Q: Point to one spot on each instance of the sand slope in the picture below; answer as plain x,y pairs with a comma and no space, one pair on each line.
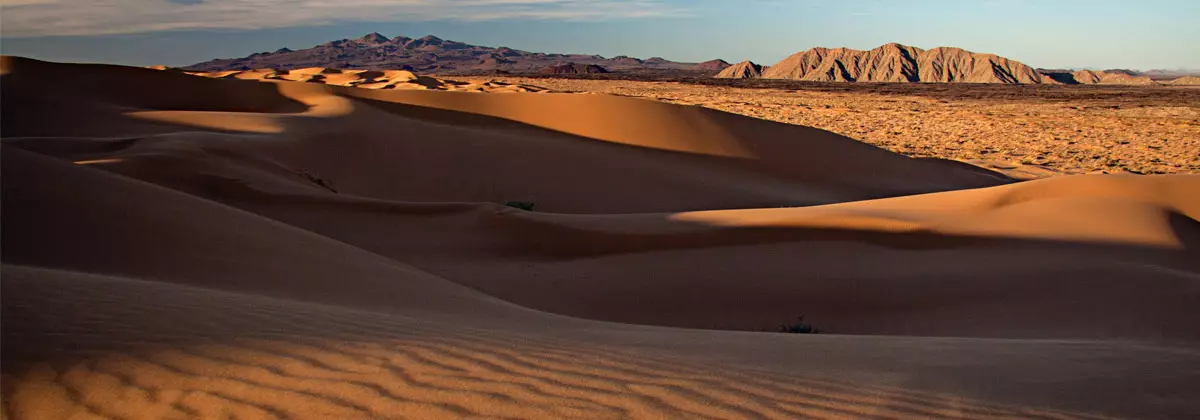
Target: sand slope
301,250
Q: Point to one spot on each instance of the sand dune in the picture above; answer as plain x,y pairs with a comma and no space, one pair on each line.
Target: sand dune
185,247
369,79
1022,131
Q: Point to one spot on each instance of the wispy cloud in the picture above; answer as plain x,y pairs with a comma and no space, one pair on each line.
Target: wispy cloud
24,18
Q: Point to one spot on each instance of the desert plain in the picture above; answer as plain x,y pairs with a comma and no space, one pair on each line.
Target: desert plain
1028,131
181,246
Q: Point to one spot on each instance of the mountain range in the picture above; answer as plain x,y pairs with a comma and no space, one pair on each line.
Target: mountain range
430,54
901,63
888,63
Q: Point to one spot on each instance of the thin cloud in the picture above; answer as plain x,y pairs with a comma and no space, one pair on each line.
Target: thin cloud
28,18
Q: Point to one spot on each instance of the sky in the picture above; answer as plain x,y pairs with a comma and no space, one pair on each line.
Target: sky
1143,34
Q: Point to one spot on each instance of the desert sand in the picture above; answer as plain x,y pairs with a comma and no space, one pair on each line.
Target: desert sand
1024,132
178,246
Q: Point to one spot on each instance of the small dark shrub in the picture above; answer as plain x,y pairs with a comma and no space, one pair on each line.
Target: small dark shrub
318,180
799,327
523,205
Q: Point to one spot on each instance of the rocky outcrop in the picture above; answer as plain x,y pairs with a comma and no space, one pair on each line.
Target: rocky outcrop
574,68
900,63
1185,80
743,70
1095,77
1111,77
713,65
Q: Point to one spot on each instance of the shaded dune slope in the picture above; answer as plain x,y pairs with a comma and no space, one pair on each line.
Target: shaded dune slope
329,251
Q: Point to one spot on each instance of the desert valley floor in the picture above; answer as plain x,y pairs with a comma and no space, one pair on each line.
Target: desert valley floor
177,246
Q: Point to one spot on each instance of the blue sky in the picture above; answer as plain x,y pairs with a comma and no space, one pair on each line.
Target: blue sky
1142,34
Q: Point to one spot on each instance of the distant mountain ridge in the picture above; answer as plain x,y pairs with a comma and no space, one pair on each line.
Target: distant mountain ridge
891,62
905,64
714,65
901,63
1095,77
430,54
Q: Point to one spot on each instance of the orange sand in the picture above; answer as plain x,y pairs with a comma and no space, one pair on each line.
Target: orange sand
185,247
